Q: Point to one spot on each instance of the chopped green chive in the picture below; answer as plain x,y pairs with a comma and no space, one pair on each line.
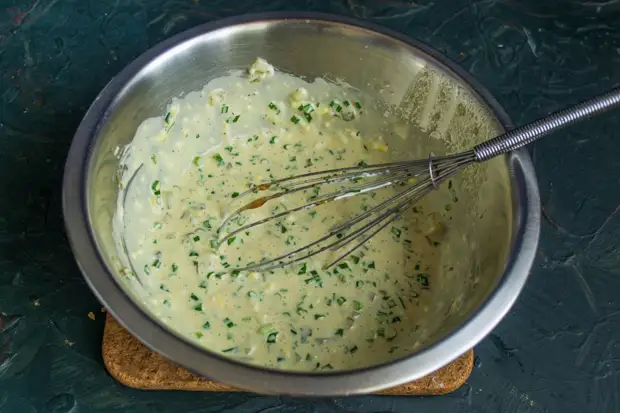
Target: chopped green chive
193,253
339,332
154,159
228,323
234,194
295,119
271,338
273,139
231,240
224,109
218,158
198,307
272,106
156,188
194,297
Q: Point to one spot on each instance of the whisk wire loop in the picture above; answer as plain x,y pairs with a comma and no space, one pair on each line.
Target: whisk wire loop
427,174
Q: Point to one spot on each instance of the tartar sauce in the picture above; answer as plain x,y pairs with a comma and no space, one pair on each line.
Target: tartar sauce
182,171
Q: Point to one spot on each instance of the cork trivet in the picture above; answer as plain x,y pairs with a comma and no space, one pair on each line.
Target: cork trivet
134,365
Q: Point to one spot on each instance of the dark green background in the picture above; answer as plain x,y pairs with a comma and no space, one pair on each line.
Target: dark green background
557,351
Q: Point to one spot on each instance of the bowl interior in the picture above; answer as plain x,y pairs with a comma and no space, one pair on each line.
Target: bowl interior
438,108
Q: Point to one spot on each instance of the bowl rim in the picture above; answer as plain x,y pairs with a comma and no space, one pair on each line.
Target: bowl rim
154,335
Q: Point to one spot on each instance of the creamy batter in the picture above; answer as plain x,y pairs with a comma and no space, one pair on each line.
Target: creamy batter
183,170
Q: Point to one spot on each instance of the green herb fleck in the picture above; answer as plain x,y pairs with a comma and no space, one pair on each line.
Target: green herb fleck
156,188
218,158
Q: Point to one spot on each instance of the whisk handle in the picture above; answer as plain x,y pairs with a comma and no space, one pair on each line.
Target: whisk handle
523,135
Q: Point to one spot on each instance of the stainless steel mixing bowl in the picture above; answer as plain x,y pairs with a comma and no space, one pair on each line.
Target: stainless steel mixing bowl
411,80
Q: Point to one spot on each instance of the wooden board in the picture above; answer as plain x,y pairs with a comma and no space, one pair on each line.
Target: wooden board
134,365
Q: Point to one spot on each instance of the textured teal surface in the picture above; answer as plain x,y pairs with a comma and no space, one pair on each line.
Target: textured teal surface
557,351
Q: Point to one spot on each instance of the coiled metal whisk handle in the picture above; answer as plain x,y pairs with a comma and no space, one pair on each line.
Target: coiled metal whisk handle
523,135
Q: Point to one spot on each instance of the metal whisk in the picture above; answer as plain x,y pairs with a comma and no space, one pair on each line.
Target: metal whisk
418,177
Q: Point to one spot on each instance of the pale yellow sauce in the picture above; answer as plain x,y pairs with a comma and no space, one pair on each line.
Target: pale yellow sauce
183,170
